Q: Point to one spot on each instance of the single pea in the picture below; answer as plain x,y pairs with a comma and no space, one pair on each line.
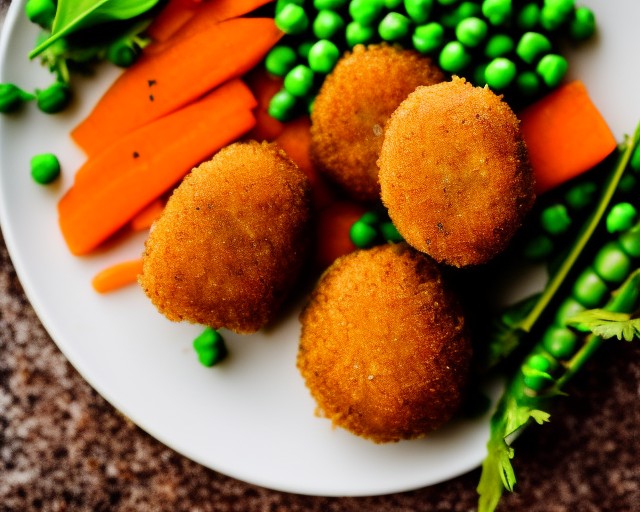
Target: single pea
292,19
392,4
555,219
479,77
365,11
467,10
532,45
581,195
394,27
281,4
471,31
621,217
552,17
529,16
552,69
122,52
41,12
496,11
428,38
304,48
12,97
447,2
280,60
54,98
630,242
611,263
634,162
323,56
560,342
327,24
311,101
538,362
418,10
583,24
568,309
528,83
627,183
589,289
531,368
538,248
282,105
454,57
564,6
210,347
357,33
45,168
299,80
362,234
371,218
500,73
390,232
329,4
498,45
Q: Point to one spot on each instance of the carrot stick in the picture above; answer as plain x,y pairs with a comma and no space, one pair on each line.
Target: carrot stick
295,139
117,276
146,217
565,135
333,229
160,83
264,86
171,18
119,182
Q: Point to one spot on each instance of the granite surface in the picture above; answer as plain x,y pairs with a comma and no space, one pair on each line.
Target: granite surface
64,448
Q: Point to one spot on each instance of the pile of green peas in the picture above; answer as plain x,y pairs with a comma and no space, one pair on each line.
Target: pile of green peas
513,47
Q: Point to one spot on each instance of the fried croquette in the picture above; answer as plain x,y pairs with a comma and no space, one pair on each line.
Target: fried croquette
352,107
384,350
233,237
455,174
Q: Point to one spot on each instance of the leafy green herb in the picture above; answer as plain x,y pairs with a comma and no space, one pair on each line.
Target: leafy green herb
74,15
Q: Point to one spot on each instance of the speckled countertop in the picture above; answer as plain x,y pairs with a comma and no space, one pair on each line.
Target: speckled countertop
62,447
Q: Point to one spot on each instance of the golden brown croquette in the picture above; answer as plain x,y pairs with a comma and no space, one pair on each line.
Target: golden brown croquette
383,348
352,107
231,241
454,172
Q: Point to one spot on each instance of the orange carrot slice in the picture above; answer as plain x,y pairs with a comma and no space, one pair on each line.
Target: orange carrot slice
333,229
160,83
565,135
117,276
171,18
264,86
119,182
146,217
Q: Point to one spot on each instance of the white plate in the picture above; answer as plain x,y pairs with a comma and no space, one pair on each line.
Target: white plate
251,418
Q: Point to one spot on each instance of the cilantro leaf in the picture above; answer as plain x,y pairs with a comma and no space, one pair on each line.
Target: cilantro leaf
608,324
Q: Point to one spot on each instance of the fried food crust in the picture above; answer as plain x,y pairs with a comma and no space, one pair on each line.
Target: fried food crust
232,239
454,172
383,348
352,107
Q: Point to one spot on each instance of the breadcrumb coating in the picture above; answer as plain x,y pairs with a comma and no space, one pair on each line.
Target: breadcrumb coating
383,349
352,107
233,237
454,172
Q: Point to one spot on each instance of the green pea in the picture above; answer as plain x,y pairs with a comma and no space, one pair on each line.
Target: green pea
621,217
471,31
564,6
529,16
323,56
500,73
528,83
531,46
583,24
589,289
304,48
281,4
390,232
454,57
12,97
447,2
280,60
329,4
568,309
292,19
467,10
122,52
394,26
45,168
210,347
627,183
555,219
357,33
611,263
54,98
418,10
299,80
428,38
41,12
538,362
496,11
282,105
365,11
552,17
533,366
362,234
581,195
498,45
479,75
327,24
560,342
630,242
371,218
538,248
552,69
392,4
635,159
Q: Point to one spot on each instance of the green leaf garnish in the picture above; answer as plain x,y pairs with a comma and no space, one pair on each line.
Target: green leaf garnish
607,324
74,15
